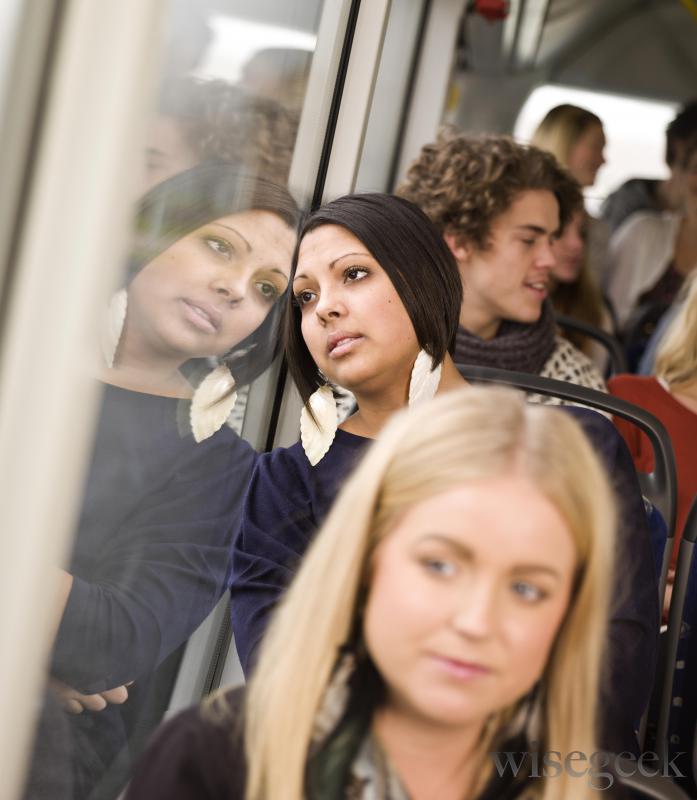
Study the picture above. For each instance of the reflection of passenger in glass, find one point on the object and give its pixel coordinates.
(206, 121)
(152, 545)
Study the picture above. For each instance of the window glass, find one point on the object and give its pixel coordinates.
(192, 324)
(634, 129)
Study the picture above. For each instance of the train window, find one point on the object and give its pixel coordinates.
(189, 336)
(634, 130)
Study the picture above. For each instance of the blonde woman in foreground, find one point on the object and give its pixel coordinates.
(465, 617)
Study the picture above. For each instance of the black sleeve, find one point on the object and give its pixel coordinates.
(276, 527)
(161, 576)
(196, 755)
(634, 619)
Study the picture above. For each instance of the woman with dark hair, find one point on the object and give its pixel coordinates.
(374, 308)
(376, 304)
(195, 322)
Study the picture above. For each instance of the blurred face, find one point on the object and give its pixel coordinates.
(167, 152)
(212, 288)
(586, 156)
(460, 624)
(569, 250)
(690, 182)
(353, 321)
(509, 280)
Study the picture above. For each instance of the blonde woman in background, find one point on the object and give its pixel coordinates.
(575, 137)
(399, 669)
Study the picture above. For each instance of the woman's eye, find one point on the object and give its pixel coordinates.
(439, 566)
(304, 297)
(355, 274)
(528, 592)
(220, 246)
(267, 290)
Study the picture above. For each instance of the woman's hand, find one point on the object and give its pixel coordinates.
(75, 702)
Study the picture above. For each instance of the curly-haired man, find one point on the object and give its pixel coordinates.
(499, 206)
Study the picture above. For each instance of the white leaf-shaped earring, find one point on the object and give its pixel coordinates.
(212, 403)
(318, 434)
(424, 379)
(116, 317)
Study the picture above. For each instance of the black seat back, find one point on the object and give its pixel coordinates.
(658, 486)
(675, 692)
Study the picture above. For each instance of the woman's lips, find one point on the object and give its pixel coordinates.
(462, 670)
(199, 317)
(343, 346)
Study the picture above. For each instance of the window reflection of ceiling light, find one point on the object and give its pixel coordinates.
(236, 40)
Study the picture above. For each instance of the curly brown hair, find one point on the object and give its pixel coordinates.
(464, 182)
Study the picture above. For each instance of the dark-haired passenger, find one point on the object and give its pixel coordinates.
(650, 194)
(499, 206)
(376, 309)
(194, 323)
(653, 253)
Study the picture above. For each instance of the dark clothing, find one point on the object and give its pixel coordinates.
(286, 503)
(517, 345)
(199, 755)
(151, 559)
(288, 499)
(535, 348)
(665, 290)
(637, 194)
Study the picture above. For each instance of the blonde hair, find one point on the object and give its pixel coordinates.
(561, 129)
(676, 360)
(460, 436)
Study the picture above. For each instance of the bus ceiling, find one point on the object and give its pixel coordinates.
(640, 48)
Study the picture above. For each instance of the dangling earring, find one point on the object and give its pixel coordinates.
(424, 379)
(212, 403)
(318, 434)
(116, 317)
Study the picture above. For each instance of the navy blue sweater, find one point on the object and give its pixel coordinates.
(288, 499)
(151, 559)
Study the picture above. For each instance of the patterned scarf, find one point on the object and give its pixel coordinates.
(516, 346)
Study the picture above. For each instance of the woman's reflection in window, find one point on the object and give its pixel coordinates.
(212, 257)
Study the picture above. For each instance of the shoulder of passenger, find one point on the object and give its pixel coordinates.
(565, 357)
(282, 460)
(649, 223)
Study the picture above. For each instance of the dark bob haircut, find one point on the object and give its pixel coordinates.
(191, 199)
(414, 255)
